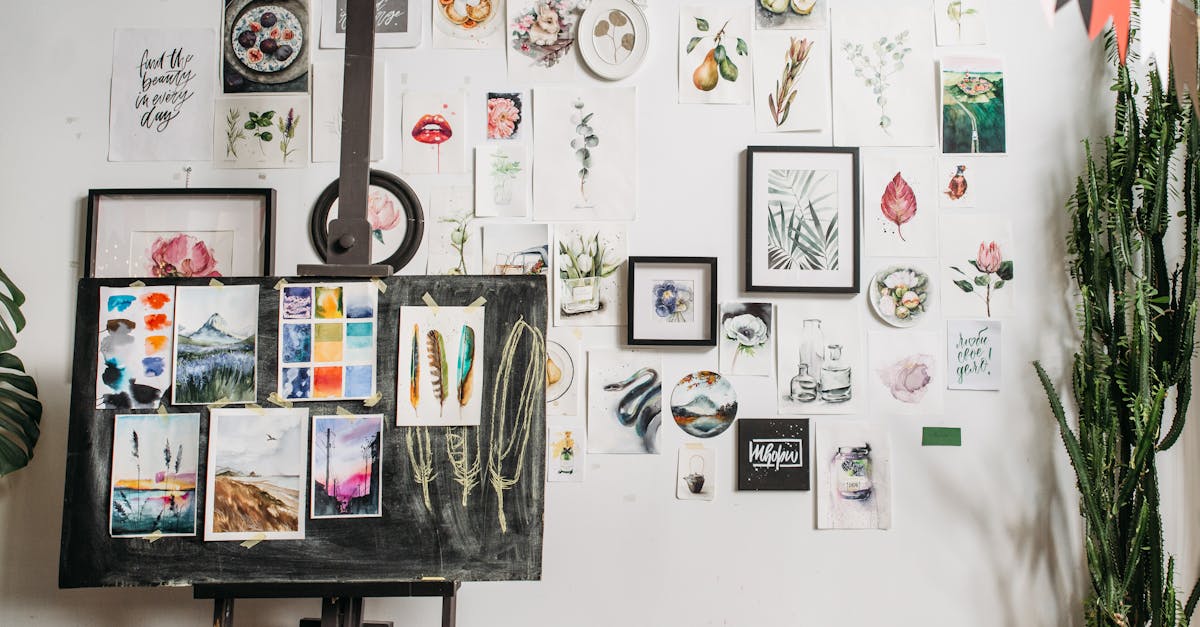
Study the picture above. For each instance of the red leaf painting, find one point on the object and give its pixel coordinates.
(899, 203)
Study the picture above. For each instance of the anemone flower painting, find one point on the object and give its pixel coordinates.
(747, 339)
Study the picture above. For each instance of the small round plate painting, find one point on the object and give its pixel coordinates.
(560, 371)
(704, 404)
(901, 295)
(613, 38)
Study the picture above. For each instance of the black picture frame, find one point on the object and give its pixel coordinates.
(631, 301)
(410, 204)
(265, 195)
(852, 286)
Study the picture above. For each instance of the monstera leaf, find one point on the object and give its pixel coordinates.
(20, 410)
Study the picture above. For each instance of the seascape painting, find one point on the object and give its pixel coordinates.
(216, 340)
(256, 474)
(153, 484)
(346, 467)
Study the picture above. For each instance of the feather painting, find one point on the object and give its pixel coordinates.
(414, 369)
(438, 367)
(466, 365)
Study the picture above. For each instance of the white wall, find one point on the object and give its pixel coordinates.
(983, 535)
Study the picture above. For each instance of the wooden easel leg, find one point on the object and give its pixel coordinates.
(342, 612)
(222, 612)
(450, 610)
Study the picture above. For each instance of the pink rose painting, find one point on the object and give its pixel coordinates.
(382, 213)
(908, 378)
(503, 115)
(181, 255)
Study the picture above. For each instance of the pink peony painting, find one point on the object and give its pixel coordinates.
(180, 256)
(504, 115)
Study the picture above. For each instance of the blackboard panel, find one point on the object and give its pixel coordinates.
(407, 543)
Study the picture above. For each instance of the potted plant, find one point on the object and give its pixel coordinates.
(20, 410)
(1133, 259)
(582, 265)
(504, 172)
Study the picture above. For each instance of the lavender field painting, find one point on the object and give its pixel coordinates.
(216, 337)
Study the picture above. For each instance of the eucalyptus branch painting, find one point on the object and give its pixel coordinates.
(802, 217)
(876, 63)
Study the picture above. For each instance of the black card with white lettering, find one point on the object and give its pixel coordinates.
(772, 454)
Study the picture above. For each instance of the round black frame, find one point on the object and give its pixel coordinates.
(411, 205)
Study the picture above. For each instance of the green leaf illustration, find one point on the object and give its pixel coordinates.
(702, 25)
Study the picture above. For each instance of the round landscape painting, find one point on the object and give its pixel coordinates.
(704, 404)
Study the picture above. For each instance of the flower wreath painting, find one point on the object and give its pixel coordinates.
(541, 40)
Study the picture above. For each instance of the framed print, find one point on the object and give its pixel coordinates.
(393, 210)
(175, 232)
(671, 301)
(802, 207)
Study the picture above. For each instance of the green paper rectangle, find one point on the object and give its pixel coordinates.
(941, 436)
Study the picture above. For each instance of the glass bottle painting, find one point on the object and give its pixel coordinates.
(803, 386)
(852, 467)
(835, 376)
(566, 456)
(812, 345)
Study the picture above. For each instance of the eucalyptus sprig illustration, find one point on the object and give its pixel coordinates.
(583, 144)
(877, 66)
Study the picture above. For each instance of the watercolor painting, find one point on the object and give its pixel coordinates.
(900, 203)
(791, 90)
(439, 366)
(564, 372)
(541, 40)
(452, 237)
(502, 181)
(696, 473)
(507, 114)
(385, 214)
(590, 290)
(216, 344)
(153, 478)
(586, 151)
(327, 334)
(881, 82)
(180, 254)
(516, 249)
(265, 46)
(673, 300)
(854, 477)
(977, 265)
(973, 106)
(820, 368)
(434, 132)
(346, 468)
(960, 22)
(469, 24)
(773, 454)
(397, 24)
(973, 351)
(790, 14)
(624, 402)
(566, 451)
(714, 56)
(261, 132)
(795, 243)
(907, 374)
(704, 404)
(327, 111)
(901, 295)
(747, 332)
(256, 464)
(133, 357)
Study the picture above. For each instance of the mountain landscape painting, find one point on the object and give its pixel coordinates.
(346, 467)
(704, 404)
(216, 337)
(256, 464)
(153, 475)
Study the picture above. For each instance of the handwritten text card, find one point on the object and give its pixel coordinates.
(973, 354)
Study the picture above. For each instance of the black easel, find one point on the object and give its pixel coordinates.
(348, 252)
(341, 603)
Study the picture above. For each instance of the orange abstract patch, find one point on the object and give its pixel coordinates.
(155, 300)
(327, 382)
(155, 343)
(154, 322)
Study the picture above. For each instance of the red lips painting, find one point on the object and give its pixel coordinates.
(435, 123)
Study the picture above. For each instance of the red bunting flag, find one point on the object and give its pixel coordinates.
(1119, 12)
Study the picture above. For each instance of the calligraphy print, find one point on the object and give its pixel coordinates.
(162, 95)
(773, 454)
(973, 354)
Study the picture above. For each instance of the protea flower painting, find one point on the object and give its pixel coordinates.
(899, 203)
(994, 272)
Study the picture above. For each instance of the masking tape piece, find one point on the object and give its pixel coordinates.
(695, 446)
(476, 304)
(341, 411)
(252, 542)
(219, 403)
(941, 436)
(578, 333)
(430, 303)
(373, 400)
(162, 411)
(281, 284)
(256, 408)
(276, 400)
(379, 285)
(154, 537)
(138, 284)
(215, 283)
(433, 578)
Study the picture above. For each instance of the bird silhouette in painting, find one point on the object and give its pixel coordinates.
(957, 188)
(271, 438)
